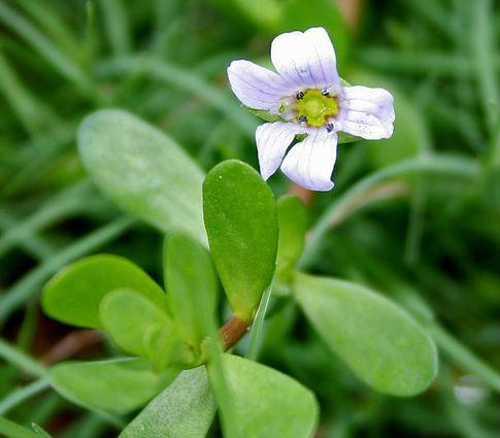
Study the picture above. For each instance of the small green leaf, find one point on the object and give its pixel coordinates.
(116, 386)
(192, 287)
(293, 221)
(241, 222)
(143, 171)
(184, 410)
(381, 343)
(128, 317)
(268, 403)
(74, 294)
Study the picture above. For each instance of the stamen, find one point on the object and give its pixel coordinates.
(329, 127)
(325, 92)
(315, 108)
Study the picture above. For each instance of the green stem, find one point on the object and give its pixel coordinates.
(17, 397)
(429, 164)
(30, 283)
(20, 360)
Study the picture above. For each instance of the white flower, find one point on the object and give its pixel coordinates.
(309, 97)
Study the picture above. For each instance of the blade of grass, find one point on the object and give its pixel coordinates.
(463, 356)
(90, 426)
(186, 80)
(36, 246)
(44, 46)
(20, 395)
(33, 114)
(52, 23)
(41, 157)
(432, 163)
(13, 430)
(428, 62)
(71, 200)
(435, 14)
(117, 26)
(17, 295)
(482, 50)
(20, 360)
(165, 15)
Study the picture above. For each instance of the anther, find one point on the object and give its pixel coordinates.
(303, 119)
(300, 95)
(325, 92)
(329, 127)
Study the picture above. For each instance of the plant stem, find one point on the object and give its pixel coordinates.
(232, 331)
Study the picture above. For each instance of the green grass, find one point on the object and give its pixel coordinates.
(423, 229)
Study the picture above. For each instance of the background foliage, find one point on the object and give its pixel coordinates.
(416, 217)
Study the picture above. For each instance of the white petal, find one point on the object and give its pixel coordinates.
(305, 59)
(273, 140)
(257, 87)
(310, 162)
(367, 112)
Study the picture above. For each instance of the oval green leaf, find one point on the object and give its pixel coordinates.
(293, 221)
(129, 317)
(268, 403)
(141, 169)
(192, 287)
(382, 344)
(74, 294)
(184, 410)
(242, 227)
(115, 386)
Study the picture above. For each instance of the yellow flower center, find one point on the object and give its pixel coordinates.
(316, 108)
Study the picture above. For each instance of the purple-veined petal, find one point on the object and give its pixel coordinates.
(257, 87)
(367, 112)
(310, 162)
(306, 59)
(273, 140)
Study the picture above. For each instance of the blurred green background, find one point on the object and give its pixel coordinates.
(432, 237)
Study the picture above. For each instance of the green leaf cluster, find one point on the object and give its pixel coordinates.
(170, 336)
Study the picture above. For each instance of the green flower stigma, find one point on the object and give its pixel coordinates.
(316, 108)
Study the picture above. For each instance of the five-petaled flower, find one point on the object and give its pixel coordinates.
(310, 98)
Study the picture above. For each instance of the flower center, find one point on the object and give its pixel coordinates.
(316, 107)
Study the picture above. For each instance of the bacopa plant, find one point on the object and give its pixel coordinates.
(229, 246)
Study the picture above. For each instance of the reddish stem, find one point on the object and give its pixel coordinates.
(232, 331)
